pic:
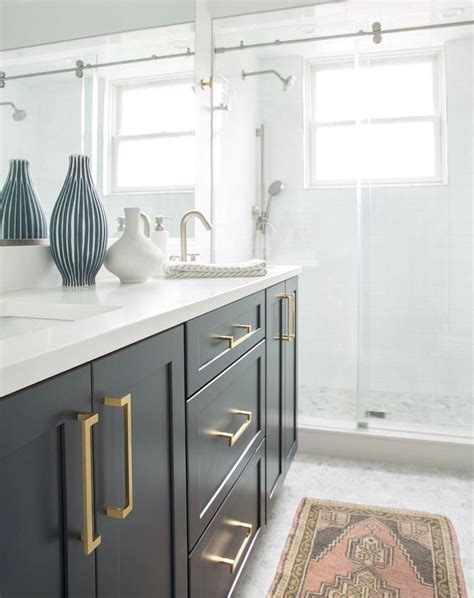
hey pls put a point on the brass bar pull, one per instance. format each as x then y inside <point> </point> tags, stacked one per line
<point>126,404</point>
<point>89,540</point>
<point>230,339</point>
<point>233,437</point>
<point>233,563</point>
<point>288,335</point>
<point>293,316</point>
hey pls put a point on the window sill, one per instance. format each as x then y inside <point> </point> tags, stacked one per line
<point>168,191</point>
<point>368,185</point>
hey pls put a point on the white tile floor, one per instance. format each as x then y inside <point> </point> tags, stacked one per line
<point>441,492</point>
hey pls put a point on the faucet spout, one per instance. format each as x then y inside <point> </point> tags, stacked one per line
<point>183,228</point>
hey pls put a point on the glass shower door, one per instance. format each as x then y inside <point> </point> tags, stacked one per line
<point>415,287</point>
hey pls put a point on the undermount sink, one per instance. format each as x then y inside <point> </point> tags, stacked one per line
<point>17,317</point>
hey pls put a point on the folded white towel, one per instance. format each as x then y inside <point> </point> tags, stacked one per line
<point>197,270</point>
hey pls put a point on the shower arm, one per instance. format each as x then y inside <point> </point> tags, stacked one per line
<point>265,72</point>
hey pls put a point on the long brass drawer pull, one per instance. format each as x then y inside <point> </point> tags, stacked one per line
<point>287,336</point>
<point>126,404</point>
<point>293,316</point>
<point>89,540</point>
<point>232,437</point>
<point>231,340</point>
<point>233,563</point>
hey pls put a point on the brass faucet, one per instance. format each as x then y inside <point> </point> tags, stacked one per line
<point>184,235</point>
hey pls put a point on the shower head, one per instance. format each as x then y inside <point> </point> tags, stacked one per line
<point>287,83</point>
<point>18,114</point>
<point>274,189</point>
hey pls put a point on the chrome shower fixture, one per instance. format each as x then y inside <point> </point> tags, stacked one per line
<point>287,82</point>
<point>274,189</point>
<point>18,114</point>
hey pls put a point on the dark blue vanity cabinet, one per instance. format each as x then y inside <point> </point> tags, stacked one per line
<point>41,501</point>
<point>281,378</point>
<point>93,479</point>
<point>149,471</point>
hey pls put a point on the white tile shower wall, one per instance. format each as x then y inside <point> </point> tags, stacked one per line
<point>234,160</point>
<point>416,300</point>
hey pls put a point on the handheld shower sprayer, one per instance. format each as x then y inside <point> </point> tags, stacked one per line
<point>274,189</point>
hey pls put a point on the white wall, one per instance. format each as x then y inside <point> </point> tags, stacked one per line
<point>416,302</point>
<point>33,22</point>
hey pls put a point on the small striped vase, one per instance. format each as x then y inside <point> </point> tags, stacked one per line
<point>78,229</point>
<point>21,215</point>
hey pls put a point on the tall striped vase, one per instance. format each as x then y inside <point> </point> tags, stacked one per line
<point>21,215</point>
<point>78,229</point>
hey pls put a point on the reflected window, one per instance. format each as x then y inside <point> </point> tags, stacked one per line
<point>152,141</point>
<point>379,120</point>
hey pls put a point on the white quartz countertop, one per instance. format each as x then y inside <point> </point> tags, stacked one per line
<point>141,311</point>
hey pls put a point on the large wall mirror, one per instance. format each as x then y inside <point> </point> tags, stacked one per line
<point>132,109</point>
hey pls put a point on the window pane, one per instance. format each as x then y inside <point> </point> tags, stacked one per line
<point>404,89</point>
<point>334,94</point>
<point>379,89</point>
<point>156,163</point>
<point>376,152</point>
<point>399,151</point>
<point>156,107</point>
<point>335,154</point>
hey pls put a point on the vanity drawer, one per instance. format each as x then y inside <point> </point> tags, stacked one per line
<point>225,423</point>
<point>242,324</point>
<point>218,558</point>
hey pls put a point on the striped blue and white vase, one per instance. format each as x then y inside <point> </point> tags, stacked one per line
<point>21,215</point>
<point>78,229</point>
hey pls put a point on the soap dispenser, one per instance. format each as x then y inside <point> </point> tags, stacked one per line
<point>160,236</point>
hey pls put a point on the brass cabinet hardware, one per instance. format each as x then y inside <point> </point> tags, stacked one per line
<point>287,336</point>
<point>293,316</point>
<point>230,339</point>
<point>233,437</point>
<point>125,403</point>
<point>89,540</point>
<point>203,83</point>
<point>233,563</point>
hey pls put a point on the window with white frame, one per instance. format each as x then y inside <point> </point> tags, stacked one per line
<point>380,121</point>
<point>152,140</point>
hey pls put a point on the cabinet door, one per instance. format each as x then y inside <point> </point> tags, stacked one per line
<point>274,447</point>
<point>41,553</point>
<point>290,430</point>
<point>142,466</point>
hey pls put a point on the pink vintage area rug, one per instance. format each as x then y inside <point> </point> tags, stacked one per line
<point>338,550</point>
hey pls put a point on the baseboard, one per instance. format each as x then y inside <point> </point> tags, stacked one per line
<point>420,450</point>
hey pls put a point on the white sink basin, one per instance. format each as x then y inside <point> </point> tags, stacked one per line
<point>17,317</point>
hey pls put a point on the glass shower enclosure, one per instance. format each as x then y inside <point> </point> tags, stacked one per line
<point>373,145</point>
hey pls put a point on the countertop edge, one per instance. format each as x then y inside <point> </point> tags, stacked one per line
<point>38,368</point>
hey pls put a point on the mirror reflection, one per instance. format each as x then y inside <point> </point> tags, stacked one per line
<point>126,100</point>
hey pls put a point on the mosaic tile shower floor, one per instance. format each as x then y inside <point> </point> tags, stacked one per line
<point>449,412</point>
